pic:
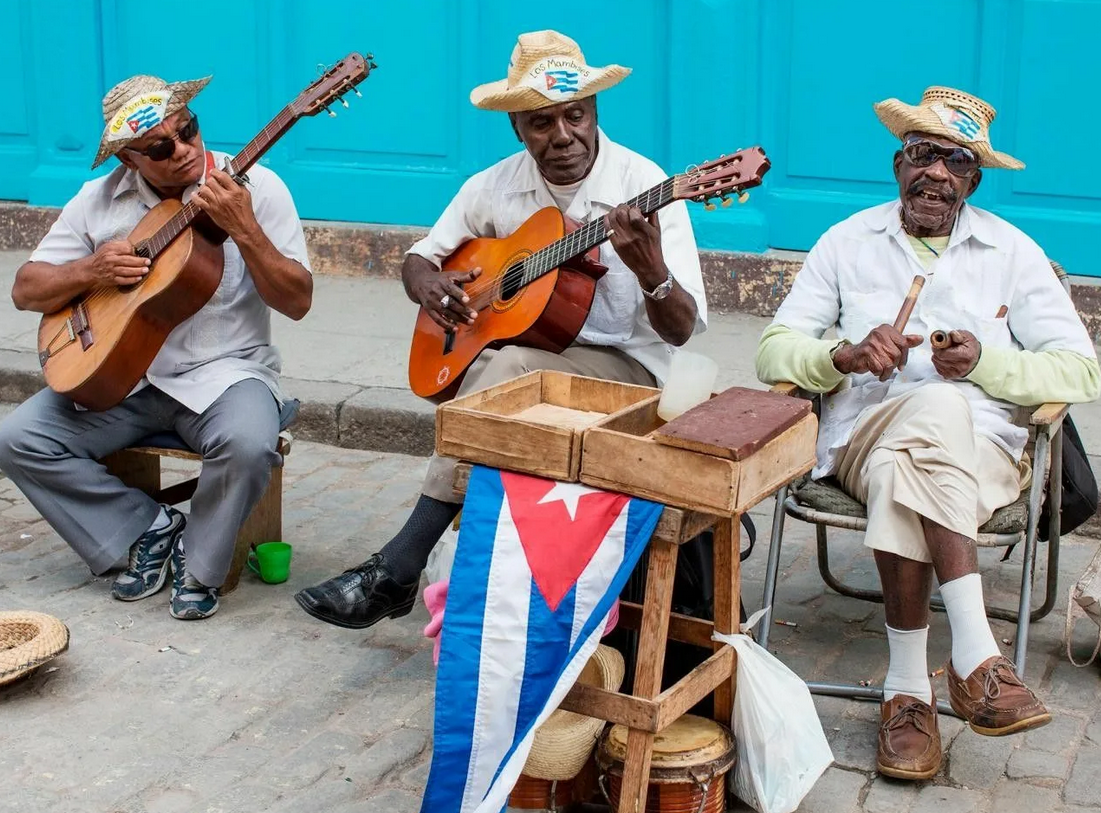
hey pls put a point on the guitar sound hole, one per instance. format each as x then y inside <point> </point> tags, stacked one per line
<point>512,281</point>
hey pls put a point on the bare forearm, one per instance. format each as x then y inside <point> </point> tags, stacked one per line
<point>673,318</point>
<point>45,287</point>
<point>281,282</point>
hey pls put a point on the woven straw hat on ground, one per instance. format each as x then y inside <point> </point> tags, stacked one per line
<point>546,68</point>
<point>28,640</point>
<point>951,114</point>
<point>135,106</point>
<point>564,742</point>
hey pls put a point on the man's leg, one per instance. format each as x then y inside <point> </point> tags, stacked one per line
<point>386,584</point>
<point>50,450</point>
<point>237,437</point>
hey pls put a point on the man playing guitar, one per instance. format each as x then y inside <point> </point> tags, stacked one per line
<point>650,300</point>
<point>215,381</point>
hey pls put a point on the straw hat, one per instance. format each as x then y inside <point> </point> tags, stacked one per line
<point>952,114</point>
<point>546,68</point>
<point>135,106</point>
<point>28,640</point>
<point>564,742</point>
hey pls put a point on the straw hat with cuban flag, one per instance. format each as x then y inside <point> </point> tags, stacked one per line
<point>546,68</point>
<point>952,114</point>
<point>136,105</point>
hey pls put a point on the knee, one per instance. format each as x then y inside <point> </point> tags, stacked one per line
<point>247,449</point>
<point>942,397</point>
<point>511,361</point>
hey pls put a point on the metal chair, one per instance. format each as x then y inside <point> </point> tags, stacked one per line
<point>825,504</point>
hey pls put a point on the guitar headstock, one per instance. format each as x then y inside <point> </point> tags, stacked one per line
<point>725,175</point>
<point>333,84</point>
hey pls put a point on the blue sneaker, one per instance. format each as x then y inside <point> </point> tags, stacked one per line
<point>147,568</point>
<point>190,600</point>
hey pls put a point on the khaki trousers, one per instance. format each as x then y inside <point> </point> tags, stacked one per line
<point>917,456</point>
<point>495,366</point>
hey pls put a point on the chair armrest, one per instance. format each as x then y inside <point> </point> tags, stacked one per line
<point>1048,415</point>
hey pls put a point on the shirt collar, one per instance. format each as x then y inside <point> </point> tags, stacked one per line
<point>598,185</point>
<point>969,223</point>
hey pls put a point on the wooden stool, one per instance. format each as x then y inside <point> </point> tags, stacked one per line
<point>647,709</point>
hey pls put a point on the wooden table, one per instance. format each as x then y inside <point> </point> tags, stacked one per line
<point>648,710</point>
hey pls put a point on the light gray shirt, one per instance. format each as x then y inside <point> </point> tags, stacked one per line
<point>229,339</point>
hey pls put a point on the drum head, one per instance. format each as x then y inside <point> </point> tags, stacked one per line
<point>690,742</point>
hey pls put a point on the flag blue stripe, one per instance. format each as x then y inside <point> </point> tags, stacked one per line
<point>456,682</point>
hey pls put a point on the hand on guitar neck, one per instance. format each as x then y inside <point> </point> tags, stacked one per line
<point>439,292</point>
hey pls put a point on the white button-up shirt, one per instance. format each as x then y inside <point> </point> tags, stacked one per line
<point>229,339</point>
<point>858,273</point>
<point>496,201</point>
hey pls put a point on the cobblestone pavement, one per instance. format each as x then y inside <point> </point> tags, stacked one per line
<point>261,708</point>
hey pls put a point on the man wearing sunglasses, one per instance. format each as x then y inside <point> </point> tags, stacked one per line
<point>215,381</point>
<point>929,439</point>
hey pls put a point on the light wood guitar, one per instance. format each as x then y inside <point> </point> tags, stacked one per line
<point>97,348</point>
<point>537,284</point>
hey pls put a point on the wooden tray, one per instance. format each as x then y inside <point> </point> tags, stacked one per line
<point>621,454</point>
<point>531,424</point>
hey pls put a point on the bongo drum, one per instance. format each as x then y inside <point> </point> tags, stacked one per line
<point>687,771</point>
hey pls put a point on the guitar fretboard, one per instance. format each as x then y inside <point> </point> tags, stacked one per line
<point>591,234</point>
<point>260,144</point>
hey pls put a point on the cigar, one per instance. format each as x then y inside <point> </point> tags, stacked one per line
<point>908,303</point>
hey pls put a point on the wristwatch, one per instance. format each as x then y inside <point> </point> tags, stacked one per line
<point>662,290</point>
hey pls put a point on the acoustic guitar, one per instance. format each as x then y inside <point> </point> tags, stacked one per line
<point>97,348</point>
<point>537,285</point>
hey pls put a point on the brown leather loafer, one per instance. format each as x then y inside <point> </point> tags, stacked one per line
<point>909,738</point>
<point>993,699</point>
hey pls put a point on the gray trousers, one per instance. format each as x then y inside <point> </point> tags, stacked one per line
<point>50,450</point>
<point>494,366</point>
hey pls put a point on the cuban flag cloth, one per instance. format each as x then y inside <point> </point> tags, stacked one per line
<point>538,567</point>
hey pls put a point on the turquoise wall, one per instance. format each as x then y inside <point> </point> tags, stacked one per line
<point>796,76</point>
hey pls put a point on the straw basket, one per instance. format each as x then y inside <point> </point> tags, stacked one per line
<point>28,640</point>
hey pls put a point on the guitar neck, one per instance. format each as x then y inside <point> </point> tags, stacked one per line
<point>157,242</point>
<point>591,234</point>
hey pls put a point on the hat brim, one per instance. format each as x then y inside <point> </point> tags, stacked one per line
<point>901,118</point>
<point>182,94</point>
<point>500,97</point>
<point>28,640</point>
<point>563,743</point>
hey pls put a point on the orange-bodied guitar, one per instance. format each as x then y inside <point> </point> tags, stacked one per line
<point>537,284</point>
<point>97,348</point>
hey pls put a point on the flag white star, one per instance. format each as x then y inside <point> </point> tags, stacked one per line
<point>570,494</point>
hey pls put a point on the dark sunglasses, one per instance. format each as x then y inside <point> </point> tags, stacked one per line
<point>960,161</point>
<point>165,148</point>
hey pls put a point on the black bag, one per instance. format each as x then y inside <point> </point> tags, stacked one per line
<point>1080,497</point>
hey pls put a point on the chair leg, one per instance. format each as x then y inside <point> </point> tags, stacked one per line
<point>832,581</point>
<point>264,524</point>
<point>140,471</point>
<point>772,570</point>
<point>727,603</point>
<point>1028,567</point>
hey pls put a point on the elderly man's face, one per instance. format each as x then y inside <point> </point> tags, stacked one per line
<point>174,174</point>
<point>561,139</point>
<point>931,196</point>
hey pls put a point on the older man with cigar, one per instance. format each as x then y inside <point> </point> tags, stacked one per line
<point>929,437</point>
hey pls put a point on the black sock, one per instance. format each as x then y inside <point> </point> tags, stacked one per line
<point>407,553</point>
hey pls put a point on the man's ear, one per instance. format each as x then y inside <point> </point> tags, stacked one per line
<point>976,179</point>
<point>126,160</point>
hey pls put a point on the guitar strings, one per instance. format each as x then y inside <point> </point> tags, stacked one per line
<point>553,255</point>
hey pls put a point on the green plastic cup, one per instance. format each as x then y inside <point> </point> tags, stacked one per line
<point>272,562</point>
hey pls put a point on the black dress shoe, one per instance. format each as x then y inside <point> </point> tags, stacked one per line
<point>359,597</point>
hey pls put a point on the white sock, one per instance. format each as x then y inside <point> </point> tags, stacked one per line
<point>160,522</point>
<point>972,640</point>
<point>908,670</point>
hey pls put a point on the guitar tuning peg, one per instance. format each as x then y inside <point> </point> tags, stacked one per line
<point>345,103</point>
<point>743,197</point>
<point>709,206</point>
<point>357,93</point>
<point>727,201</point>
<point>332,115</point>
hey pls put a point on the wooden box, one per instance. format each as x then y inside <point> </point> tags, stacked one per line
<point>621,455</point>
<point>533,423</point>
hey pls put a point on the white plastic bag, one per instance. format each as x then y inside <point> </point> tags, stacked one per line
<point>438,568</point>
<point>782,749</point>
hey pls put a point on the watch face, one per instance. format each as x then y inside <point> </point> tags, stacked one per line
<point>662,290</point>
